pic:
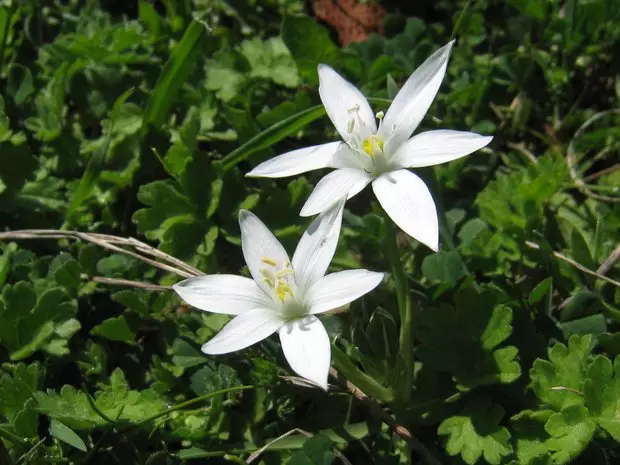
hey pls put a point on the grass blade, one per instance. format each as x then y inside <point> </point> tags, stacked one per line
<point>173,75</point>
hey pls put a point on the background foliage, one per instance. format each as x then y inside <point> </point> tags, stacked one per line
<point>133,119</point>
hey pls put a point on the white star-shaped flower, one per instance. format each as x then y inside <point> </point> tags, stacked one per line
<point>382,154</point>
<point>284,295</point>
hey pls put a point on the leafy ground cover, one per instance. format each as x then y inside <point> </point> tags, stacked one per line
<point>126,129</point>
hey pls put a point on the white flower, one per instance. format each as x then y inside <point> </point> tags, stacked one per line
<point>284,295</point>
<point>380,154</point>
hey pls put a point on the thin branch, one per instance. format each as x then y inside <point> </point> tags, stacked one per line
<point>386,418</point>
<point>603,172</point>
<point>126,283</point>
<point>523,151</point>
<point>575,264</point>
<point>609,262</point>
<point>571,159</point>
<point>112,243</point>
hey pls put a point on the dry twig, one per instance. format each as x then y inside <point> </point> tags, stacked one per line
<point>571,159</point>
<point>578,265</point>
<point>386,418</point>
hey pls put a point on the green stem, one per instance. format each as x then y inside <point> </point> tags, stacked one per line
<point>405,309</point>
<point>368,385</point>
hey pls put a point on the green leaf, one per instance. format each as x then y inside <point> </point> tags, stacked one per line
<point>445,266</point>
<point>16,391</point>
<point>318,450</point>
<point>602,394</point>
<point>173,76</point>
<point>558,382</point>
<point>571,431</point>
<point>64,433</point>
<point>476,433</point>
<point>185,355</point>
<point>309,44</point>
<point>96,163</point>
<point>540,291</point>
<point>115,401</point>
<point>272,135</point>
<point>531,438</point>
<point>115,329</point>
<point>472,353</point>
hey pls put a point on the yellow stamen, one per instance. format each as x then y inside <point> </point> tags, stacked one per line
<point>268,261</point>
<point>372,144</point>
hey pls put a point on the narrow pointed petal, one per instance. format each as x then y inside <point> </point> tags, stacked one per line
<point>343,103</point>
<point>317,246</point>
<point>244,330</point>
<point>297,161</point>
<point>222,293</point>
<point>346,157</point>
<point>341,288</point>
<point>334,186</point>
<point>409,203</point>
<point>307,349</point>
<point>435,147</point>
<point>260,247</point>
<point>414,98</point>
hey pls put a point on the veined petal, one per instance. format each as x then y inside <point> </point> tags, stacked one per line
<point>407,200</point>
<point>316,247</point>
<point>346,157</point>
<point>244,330</point>
<point>346,106</point>
<point>222,293</point>
<point>338,289</point>
<point>261,250</point>
<point>297,161</point>
<point>435,147</point>
<point>414,98</point>
<point>334,186</point>
<point>307,348</point>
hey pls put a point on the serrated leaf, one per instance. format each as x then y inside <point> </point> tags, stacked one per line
<point>473,352</point>
<point>558,382</point>
<point>476,433</point>
<point>115,329</point>
<point>602,393</point>
<point>318,450</point>
<point>531,438</point>
<point>571,431</point>
<point>64,433</point>
<point>446,267</point>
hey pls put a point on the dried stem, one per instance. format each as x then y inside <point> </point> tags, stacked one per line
<point>579,266</point>
<point>571,160</point>
<point>386,418</point>
<point>116,244</point>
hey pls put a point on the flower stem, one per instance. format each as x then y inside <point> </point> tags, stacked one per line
<point>405,363</point>
<point>368,385</point>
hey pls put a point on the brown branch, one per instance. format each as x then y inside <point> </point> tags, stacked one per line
<point>571,160</point>
<point>386,418</point>
<point>603,172</point>
<point>577,265</point>
<point>126,283</point>
<point>113,243</point>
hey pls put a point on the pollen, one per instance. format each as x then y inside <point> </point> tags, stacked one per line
<point>278,280</point>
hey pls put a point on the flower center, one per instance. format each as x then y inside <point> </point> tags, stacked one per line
<point>280,280</point>
<point>373,145</point>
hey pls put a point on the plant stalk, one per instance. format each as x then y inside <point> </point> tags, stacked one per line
<point>405,309</point>
<point>368,385</point>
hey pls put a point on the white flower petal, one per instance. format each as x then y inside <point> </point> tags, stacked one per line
<point>244,330</point>
<point>345,103</point>
<point>338,289</point>
<point>407,200</point>
<point>346,157</point>
<point>307,348</point>
<point>317,246</point>
<point>414,98</point>
<point>435,147</point>
<point>333,187</point>
<point>297,161</point>
<point>222,293</point>
<point>259,246</point>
